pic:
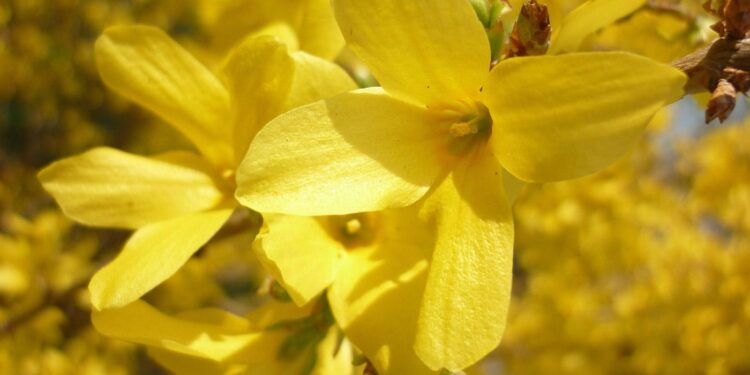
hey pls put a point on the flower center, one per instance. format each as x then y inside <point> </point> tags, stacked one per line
<point>467,126</point>
<point>353,230</point>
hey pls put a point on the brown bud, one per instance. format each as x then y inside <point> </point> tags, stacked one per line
<point>734,15</point>
<point>740,79</point>
<point>722,102</point>
<point>531,32</point>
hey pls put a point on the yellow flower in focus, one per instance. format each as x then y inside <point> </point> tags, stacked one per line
<point>373,265</point>
<point>444,122</point>
<point>178,200</point>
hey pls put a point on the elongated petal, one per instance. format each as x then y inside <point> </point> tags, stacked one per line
<point>375,300</point>
<point>266,80</point>
<point>467,295</point>
<point>184,364</point>
<point>111,188</point>
<point>425,50</point>
<point>316,79</point>
<point>561,117</point>
<point>588,18</point>
<point>360,151</point>
<point>153,254</point>
<point>318,32</point>
<point>259,355</point>
<point>140,323</point>
<point>282,31</point>
<point>300,254</point>
<point>208,341</point>
<point>331,359</point>
<point>143,64</point>
<point>258,74</point>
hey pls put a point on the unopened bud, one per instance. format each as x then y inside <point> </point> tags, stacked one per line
<point>532,31</point>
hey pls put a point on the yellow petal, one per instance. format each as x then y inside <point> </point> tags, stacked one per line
<point>467,294</point>
<point>318,32</point>
<point>513,186</point>
<point>375,300</point>
<point>566,116</point>
<point>140,323</point>
<point>265,80</point>
<point>311,20</point>
<point>586,19</point>
<point>152,255</point>
<point>143,64</point>
<point>360,151</point>
<point>247,361</point>
<point>424,50</point>
<point>111,188</point>
<point>258,357</point>
<point>333,358</point>
<point>258,75</point>
<point>181,364</point>
<point>300,254</point>
<point>273,312</point>
<point>282,31</point>
<point>316,79</point>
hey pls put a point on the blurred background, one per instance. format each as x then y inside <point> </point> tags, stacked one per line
<point>643,268</point>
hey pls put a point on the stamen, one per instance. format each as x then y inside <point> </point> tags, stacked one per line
<point>461,129</point>
<point>353,226</point>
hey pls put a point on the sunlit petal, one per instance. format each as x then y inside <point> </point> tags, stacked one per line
<point>566,116</point>
<point>375,300</point>
<point>143,64</point>
<point>360,151</point>
<point>423,50</point>
<point>151,255</point>
<point>111,188</point>
<point>300,254</point>
<point>259,75</point>
<point>466,298</point>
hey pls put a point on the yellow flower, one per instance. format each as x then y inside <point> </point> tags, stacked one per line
<point>178,200</point>
<point>274,339</point>
<point>373,265</point>
<point>444,122</point>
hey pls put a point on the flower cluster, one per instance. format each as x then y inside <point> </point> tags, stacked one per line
<point>387,226</point>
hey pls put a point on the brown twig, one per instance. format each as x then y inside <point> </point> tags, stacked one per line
<point>726,60</point>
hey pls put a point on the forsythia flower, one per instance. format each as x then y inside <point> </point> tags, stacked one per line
<point>371,264</point>
<point>444,123</point>
<point>178,200</point>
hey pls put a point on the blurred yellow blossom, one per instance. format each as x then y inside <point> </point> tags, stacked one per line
<point>44,264</point>
<point>315,29</point>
